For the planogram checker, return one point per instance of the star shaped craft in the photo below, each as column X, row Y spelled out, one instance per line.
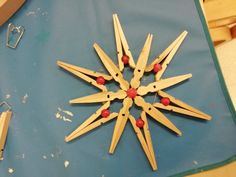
column 132, row 92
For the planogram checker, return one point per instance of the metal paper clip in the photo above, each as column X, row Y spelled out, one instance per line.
column 14, row 30
column 6, row 104
column 5, row 118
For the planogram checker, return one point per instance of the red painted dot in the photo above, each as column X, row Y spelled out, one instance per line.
column 105, row 113
column 132, row 93
column 139, row 123
column 165, row 101
column 125, row 59
column 157, row 67
column 100, row 80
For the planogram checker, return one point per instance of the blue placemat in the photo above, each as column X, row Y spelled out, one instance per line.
column 37, row 89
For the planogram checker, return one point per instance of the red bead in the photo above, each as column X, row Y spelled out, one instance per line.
column 165, row 101
column 125, row 59
column 100, row 80
column 139, row 123
column 105, row 113
column 132, row 93
column 157, row 67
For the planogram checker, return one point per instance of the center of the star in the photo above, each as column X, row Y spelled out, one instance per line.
column 131, row 92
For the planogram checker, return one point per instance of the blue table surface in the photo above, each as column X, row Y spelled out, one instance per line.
column 36, row 88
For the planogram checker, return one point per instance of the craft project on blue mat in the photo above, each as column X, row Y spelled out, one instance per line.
column 132, row 93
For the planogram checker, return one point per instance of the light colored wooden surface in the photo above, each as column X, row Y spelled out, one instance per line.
column 218, row 9
column 225, row 171
column 226, row 53
column 221, row 18
column 8, row 8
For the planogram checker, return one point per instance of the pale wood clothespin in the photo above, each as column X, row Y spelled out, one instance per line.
column 5, row 118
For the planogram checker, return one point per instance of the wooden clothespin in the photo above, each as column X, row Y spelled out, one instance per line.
column 123, row 52
column 94, row 125
column 166, row 56
column 85, row 73
column 120, row 123
column 111, row 67
column 156, row 114
column 148, row 139
column 91, row 119
column 179, row 106
column 145, row 140
column 141, row 64
column 100, row 97
column 5, row 118
column 162, row 84
column 101, row 116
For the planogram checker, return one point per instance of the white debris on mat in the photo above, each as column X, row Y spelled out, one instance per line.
column 52, row 155
column 44, row 13
column 10, row 170
column 22, row 156
column 44, row 157
column 58, row 152
column 8, row 96
column 66, row 163
column 68, row 113
column 58, row 115
column 66, row 119
column 64, row 115
column 195, row 162
column 37, row 12
column 24, row 99
column 30, row 13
